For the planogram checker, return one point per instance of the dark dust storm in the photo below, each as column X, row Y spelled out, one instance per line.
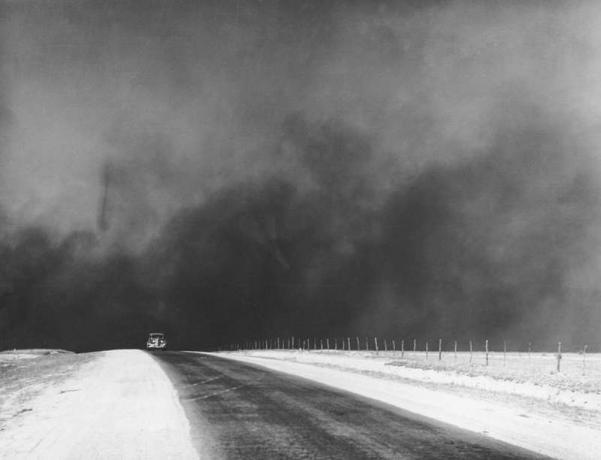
column 223, row 170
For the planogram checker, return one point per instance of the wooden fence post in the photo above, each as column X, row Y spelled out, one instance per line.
column 348, row 343
column 471, row 352
column 426, row 350
column 439, row 349
column 327, row 343
column 358, row 343
column 486, row 347
column 455, row 350
column 402, row 348
column 558, row 355
column 414, row 345
column 393, row 345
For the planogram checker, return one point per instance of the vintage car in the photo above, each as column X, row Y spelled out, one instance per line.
column 156, row 341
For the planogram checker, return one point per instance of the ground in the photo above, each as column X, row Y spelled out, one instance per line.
column 114, row 404
column 519, row 399
column 121, row 404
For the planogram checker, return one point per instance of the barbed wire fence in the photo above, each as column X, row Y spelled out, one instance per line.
column 440, row 353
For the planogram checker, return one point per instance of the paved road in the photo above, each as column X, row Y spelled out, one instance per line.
column 239, row 411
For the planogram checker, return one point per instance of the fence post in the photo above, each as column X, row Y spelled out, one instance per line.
column 348, row 342
column 327, row 343
column 376, row 344
column 414, row 345
column 366, row 343
column 426, row 350
column 486, row 346
column 385, row 345
column 558, row 355
column 358, row 343
column 402, row 348
column 471, row 352
column 321, row 343
column 393, row 345
column 439, row 349
column 455, row 350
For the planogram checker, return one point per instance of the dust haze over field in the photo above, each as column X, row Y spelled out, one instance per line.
column 223, row 170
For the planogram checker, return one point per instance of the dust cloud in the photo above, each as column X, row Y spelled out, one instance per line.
column 227, row 170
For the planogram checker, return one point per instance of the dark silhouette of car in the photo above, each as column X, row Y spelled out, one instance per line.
column 156, row 341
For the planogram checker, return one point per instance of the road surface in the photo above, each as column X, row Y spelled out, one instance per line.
column 241, row 411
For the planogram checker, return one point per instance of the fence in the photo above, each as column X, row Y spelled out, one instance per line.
column 438, row 353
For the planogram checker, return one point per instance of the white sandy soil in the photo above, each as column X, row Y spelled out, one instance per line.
column 526, row 422
column 119, row 406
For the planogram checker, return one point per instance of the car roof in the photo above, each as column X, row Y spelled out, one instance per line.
column 156, row 333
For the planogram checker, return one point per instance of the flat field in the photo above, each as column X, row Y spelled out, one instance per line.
column 24, row 374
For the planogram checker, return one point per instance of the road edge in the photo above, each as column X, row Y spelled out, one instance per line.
column 552, row 438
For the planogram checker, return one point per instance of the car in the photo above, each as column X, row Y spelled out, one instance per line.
column 156, row 341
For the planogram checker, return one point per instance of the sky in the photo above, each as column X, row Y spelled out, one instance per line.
column 235, row 169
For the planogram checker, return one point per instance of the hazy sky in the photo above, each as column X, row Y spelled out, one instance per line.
column 485, row 114
column 186, row 96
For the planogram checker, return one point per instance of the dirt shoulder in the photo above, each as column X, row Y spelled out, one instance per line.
column 114, row 404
